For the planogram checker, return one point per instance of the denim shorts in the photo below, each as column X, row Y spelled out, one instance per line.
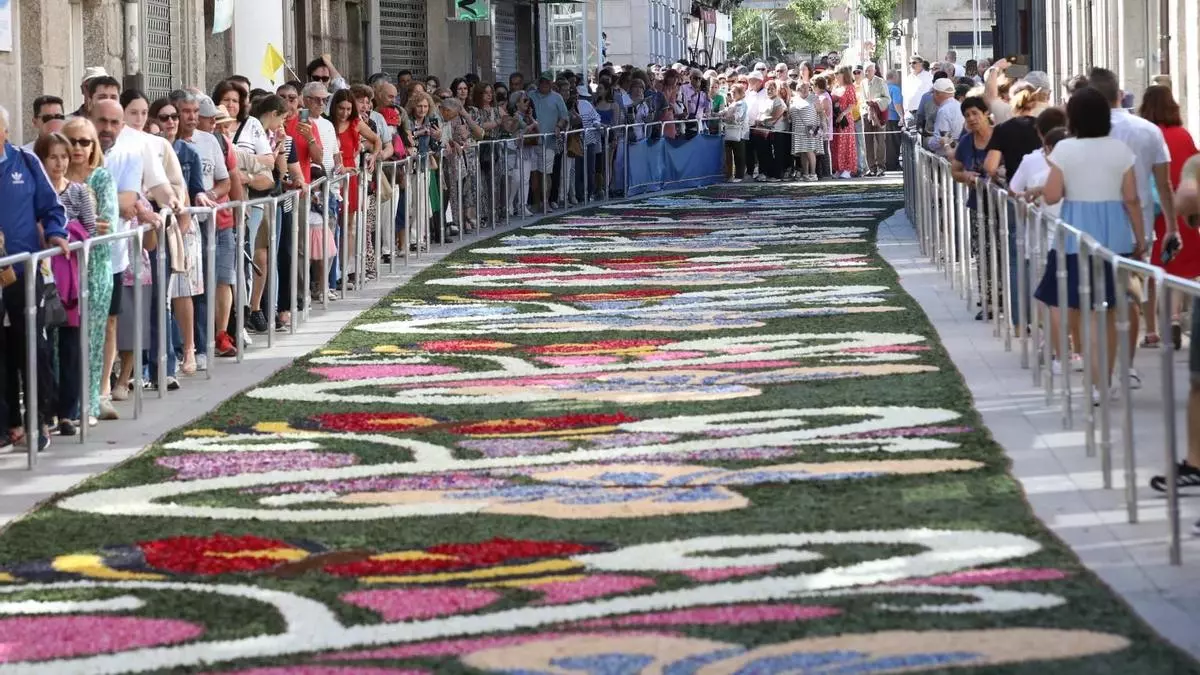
column 226, row 249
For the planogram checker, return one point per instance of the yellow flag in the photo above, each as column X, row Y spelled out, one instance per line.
column 272, row 62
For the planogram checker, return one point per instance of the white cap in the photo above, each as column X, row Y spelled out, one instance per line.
column 760, row 66
column 943, row 86
column 93, row 72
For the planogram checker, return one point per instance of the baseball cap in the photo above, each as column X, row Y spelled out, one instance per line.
column 1038, row 79
column 760, row 66
column 546, row 75
column 584, row 91
column 755, row 75
column 93, row 72
column 207, row 107
column 943, row 86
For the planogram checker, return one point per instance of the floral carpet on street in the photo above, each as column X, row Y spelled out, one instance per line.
column 696, row 434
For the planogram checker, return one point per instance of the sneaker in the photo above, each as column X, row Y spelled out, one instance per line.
column 92, row 421
column 246, row 339
column 201, row 363
column 280, row 326
column 172, row 384
column 525, row 212
column 258, row 322
column 1135, row 379
column 225, row 347
column 66, row 428
column 1188, row 477
column 107, row 411
column 120, row 393
column 43, row 442
column 760, row 178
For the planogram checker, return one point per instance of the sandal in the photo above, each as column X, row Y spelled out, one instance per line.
column 189, row 362
column 1151, row 341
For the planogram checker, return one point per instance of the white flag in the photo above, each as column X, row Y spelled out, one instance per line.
column 222, row 16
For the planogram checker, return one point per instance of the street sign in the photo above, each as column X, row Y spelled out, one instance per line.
column 472, row 10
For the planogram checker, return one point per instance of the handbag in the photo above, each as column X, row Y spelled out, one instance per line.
column 53, row 309
column 176, row 255
column 574, row 146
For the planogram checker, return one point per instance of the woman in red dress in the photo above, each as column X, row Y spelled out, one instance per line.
column 351, row 130
column 845, row 156
column 1159, row 106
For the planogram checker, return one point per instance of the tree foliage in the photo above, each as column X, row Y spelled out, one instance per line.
column 801, row 29
column 879, row 14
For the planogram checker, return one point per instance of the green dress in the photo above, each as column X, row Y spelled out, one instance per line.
column 99, row 283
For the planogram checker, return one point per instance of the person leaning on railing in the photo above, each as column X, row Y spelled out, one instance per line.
column 1187, row 207
column 1092, row 174
column 970, row 154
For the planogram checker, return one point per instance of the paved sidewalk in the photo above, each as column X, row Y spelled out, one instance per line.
column 68, row 462
column 1062, row 484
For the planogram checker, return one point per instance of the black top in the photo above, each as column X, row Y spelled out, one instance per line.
column 1014, row 139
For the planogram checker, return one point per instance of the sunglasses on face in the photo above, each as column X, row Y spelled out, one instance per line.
column 317, row 78
column 81, row 142
column 168, row 117
column 50, row 118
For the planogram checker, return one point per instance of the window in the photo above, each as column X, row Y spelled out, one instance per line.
column 963, row 39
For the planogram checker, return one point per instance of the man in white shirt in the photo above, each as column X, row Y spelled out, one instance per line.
column 756, row 100
column 124, row 157
column 916, row 84
column 952, row 62
column 948, row 124
column 314, row 96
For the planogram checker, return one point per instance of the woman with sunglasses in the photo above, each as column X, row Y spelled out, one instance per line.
column 137, row 117
column 86, row 165
column 189, row 281
column 55, row 152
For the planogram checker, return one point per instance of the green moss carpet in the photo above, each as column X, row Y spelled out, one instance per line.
column 691, row 434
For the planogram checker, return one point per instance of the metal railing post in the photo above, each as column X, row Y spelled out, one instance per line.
column 239, row 291
column 33, row 420
column 138, row 311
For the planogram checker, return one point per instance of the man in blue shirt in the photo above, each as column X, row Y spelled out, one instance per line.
column 551, row 113
column 895, row 116
column 29, row 201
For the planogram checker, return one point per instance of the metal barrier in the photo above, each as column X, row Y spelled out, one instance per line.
column 412, row 181
column 1014, row 240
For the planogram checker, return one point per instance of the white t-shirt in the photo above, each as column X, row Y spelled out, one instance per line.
column 329, row 144
column 125, row 166
column 1033, row 173
column 1093, row 168
column 153, row 174
column 914, row 87
column 212, row 162
column 253, row 138
column 1149, row 148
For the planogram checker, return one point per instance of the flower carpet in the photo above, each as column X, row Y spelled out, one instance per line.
column 698, row 434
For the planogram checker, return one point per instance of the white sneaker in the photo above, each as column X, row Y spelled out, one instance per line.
column 246, row 338
column 1056, row 368
column 118, row 394
column 525, row 212
column 1135, row 379
column 1077, row 363
column 201, row 363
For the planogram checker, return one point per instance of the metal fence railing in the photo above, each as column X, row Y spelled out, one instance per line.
column 409, row 198
column 996, row 253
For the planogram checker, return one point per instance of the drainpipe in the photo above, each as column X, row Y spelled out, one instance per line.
column 1164, row 37
column 133, row 44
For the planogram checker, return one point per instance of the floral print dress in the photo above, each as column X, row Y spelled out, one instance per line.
column 489, row 157
column 99, row 282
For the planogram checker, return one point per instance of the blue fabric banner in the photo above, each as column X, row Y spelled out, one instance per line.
column 664, row 164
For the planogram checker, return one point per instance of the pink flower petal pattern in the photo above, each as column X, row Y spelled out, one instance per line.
column 200, row 465
column 596, row 586
column 731, row 615
column 406, row 604
column 568, row 361
column 726, row 573
column 42, row 638
column 372, row 372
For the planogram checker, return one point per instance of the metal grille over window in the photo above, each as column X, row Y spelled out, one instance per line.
column 402, row 36
column 505, row 39
column 159, row 69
